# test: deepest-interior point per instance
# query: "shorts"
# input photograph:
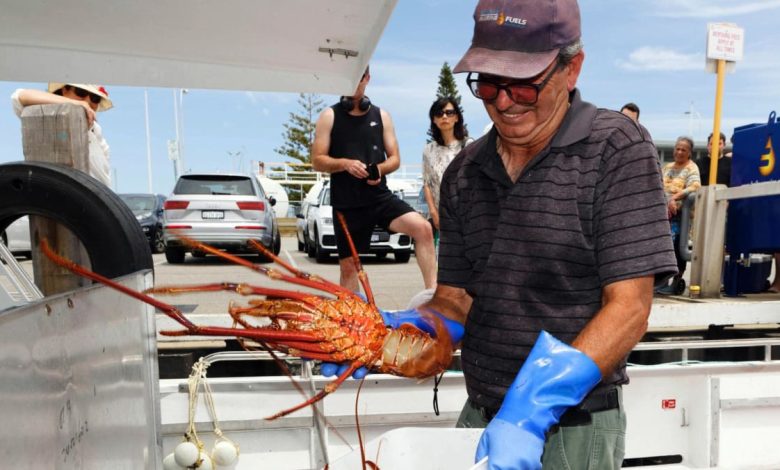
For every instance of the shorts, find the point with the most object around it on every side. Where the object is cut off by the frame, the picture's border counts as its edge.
(362, 220)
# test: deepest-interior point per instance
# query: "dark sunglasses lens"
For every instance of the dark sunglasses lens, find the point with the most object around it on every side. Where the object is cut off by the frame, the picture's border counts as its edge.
(523, 93)
(80, 93)
(94, 98)
(485, 90)
(443, 112)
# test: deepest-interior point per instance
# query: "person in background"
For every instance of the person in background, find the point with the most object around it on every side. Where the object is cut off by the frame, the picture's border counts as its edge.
(449, 138)
(355, 142)
(724, 164)
(631, 110)
(93, 99)
(681, 178)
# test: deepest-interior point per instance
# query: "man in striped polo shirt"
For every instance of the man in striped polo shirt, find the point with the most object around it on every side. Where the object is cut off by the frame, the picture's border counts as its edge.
(553, 233)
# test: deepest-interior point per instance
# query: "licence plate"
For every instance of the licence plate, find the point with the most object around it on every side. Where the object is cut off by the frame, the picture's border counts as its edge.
(212, 214)
(374, 237)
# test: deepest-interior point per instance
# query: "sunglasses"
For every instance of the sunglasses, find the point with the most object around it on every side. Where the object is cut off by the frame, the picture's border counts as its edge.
(521, 91)
(445, 112)
(84, 93)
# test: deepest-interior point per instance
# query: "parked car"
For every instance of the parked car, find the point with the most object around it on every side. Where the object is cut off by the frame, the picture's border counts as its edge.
(322, 239)
(308, 204)
(222, 210)
(17, 237)
(148, 209)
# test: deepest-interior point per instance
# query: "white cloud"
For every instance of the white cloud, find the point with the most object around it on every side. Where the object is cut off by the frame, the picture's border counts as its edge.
(252, 97)
(711, 8)
(660, 59)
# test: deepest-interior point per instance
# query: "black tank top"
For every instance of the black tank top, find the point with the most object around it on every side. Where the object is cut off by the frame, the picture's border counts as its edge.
(361, 138)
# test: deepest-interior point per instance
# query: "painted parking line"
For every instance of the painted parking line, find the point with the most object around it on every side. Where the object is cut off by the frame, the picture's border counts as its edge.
(290, 259)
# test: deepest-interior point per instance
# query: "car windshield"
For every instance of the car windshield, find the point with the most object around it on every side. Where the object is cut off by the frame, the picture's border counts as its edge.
(215, 184)
(139, 204)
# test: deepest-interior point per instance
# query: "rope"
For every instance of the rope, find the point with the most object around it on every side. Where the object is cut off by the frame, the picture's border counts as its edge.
(436, 381)
(195, 380)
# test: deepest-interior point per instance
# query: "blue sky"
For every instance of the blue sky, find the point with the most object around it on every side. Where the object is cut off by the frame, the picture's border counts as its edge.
(647, 51)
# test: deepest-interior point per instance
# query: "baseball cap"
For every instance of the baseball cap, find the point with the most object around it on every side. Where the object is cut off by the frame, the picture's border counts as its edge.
(519, 38)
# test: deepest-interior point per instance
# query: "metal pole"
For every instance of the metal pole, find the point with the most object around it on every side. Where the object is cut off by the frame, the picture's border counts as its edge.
(182, 92)
(148, 141)
(715, 152)
(177, 162)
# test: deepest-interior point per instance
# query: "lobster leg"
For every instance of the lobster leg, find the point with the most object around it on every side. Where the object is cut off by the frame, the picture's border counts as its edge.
(362, 276)
(301, 278)
(328, 389)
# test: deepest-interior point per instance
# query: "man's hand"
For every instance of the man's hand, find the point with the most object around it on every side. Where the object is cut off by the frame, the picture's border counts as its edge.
(554, 377)
(355, 168)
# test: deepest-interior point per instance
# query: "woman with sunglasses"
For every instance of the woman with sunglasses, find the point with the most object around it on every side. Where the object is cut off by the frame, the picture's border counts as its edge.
(449, 137)
(92, 98)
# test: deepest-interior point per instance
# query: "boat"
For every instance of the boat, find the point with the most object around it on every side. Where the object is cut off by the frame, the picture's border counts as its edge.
(80, 382)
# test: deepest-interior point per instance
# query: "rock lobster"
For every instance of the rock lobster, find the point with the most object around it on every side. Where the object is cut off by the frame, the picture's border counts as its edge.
(343, 328)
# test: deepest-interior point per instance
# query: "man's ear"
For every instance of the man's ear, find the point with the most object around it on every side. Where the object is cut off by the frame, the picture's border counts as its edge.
(573, 70)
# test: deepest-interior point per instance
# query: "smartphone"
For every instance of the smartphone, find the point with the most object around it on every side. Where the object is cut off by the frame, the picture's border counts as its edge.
(373, 171)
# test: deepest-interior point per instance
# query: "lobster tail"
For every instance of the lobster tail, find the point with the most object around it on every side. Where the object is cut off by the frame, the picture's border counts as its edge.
(410, 352)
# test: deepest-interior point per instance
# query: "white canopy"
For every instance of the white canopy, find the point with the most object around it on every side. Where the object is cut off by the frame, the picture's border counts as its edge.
(318, 46)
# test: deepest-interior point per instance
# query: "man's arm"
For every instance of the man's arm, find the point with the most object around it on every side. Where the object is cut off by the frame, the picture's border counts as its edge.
(622, 321)
(452, 302)
(391, 146)
(320, 159)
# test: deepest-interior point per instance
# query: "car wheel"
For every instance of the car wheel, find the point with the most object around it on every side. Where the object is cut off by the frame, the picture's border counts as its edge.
(103, 223)
(301, 246)
(174, 255)
(402, 256)
(277, 246)
(158, 245)
(310, 250)
(320, 255)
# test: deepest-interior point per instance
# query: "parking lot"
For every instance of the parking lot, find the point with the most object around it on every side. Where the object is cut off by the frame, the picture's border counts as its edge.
(393, 283)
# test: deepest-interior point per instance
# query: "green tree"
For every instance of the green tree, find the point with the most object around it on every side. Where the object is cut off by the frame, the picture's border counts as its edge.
(298, 138)
(299, 130)
(447, 85)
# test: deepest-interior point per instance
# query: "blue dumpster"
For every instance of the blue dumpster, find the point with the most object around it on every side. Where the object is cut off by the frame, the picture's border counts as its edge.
(753, 225)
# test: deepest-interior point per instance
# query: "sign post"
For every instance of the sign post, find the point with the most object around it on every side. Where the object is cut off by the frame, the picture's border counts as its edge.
(725, 45)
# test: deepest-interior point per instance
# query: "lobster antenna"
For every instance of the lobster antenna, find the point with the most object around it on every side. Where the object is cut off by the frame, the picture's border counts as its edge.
(356, 259)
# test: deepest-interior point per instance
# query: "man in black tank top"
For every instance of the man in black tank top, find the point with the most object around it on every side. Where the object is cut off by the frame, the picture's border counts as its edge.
(352, 137)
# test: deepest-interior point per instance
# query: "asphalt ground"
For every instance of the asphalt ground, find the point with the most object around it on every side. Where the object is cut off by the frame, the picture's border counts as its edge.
(393, 284)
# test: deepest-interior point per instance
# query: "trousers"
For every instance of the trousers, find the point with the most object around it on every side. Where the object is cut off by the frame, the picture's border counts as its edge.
(588, 441)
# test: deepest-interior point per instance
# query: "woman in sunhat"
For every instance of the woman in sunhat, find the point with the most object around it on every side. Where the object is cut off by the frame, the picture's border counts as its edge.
(92, 98)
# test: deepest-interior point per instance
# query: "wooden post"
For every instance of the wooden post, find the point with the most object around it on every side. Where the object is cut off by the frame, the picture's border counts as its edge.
(708, 242)
(56, 133)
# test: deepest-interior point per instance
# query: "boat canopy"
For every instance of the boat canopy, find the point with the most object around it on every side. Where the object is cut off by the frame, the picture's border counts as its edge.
(319, 46)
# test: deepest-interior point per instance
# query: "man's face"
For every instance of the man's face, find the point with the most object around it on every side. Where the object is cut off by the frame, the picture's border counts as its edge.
(720, 148)
(634, 116)
(527, 124)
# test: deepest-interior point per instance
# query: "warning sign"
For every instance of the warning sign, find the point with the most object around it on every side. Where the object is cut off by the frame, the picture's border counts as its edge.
(725, 41)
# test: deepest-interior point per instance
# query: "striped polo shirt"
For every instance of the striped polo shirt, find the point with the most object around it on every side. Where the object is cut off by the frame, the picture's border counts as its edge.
(587, 211)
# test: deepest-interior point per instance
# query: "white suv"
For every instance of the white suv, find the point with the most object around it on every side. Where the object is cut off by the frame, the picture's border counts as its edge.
(221, 210)
(321, 239)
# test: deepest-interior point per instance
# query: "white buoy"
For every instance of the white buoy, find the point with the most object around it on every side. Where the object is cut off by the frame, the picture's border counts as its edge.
(224, 453)
(205, 462)
(169, 463)
(186, 454)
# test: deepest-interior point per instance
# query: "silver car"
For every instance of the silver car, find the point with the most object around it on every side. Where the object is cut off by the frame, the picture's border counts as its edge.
(221, 210)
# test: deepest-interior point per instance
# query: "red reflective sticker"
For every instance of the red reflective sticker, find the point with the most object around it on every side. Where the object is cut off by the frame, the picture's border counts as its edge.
(669, 404)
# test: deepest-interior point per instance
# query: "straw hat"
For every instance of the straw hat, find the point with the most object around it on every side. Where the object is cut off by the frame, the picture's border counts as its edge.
(105, 103)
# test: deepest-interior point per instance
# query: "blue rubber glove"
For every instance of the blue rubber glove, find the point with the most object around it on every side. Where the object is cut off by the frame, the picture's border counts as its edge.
(414, 317)
(555, 377)
(394, 320)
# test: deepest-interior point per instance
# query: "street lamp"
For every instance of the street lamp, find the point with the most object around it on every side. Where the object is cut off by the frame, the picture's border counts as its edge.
(691, 114)
(178, 118)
